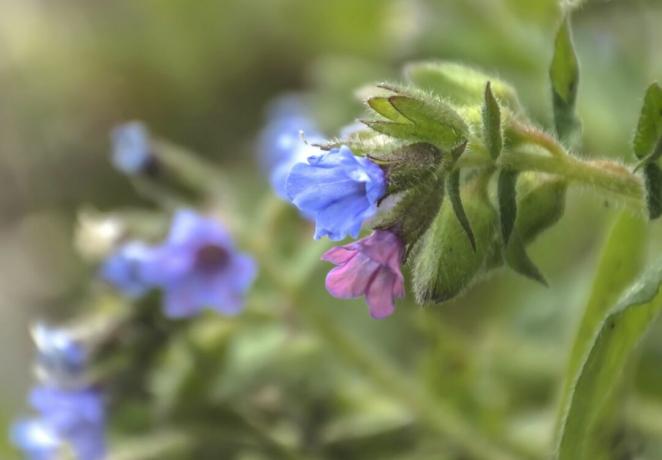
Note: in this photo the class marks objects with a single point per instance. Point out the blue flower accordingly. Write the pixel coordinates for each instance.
(123, 269)
(65, 417)
(339, 189)
(198, 266)
(132, 151)
(58, 352)
(281, 145)
(36, 439)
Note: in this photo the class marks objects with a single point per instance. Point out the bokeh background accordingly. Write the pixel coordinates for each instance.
(201, 74)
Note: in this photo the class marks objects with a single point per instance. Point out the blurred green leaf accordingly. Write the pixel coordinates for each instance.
(653, 181)
(649, 127)
(517, 259)
(621, 260)
(618, 334)
(507, 198)
(383, 106)
(564, 77)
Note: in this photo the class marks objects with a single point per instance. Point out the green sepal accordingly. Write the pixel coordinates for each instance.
(409, 165)
(653, 181)
(383, 107)
(458, 83)
(492, 123)
(453, 191)
(517, 259)
(443, 262)
(564, 78)
(507, 199)
(404, 131)
(415, 210)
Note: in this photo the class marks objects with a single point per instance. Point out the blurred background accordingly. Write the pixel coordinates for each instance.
(201, 74)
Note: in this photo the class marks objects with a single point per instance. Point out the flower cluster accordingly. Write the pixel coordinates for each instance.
(339, 191)
(196, 267)
(70, 412)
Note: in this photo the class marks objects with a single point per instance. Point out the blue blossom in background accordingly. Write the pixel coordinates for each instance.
(58, 352)
(36, 439)
(131, 148)
(338, 189)
(280, 143)
(75, 417)
(198, 267)
(123, 268)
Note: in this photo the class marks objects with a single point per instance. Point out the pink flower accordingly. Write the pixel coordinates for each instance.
(369, 267)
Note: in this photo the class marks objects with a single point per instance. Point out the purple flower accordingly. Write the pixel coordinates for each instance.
(197, 267)
(72, 417)
(280, 143)
(36, 439)
(369, 267)
(123, 269)
(58, 352)
(131, 148)
(338, 189)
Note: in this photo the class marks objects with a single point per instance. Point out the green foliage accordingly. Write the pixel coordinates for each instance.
(618, 333)
(507, 198)
(564, 77)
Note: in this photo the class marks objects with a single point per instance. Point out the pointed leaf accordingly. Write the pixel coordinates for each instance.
(403, 131)
(507, 198)
(601, 370)
(453, 191)
(564, 76)
(492, 123)
(649, 128)
(621, 260)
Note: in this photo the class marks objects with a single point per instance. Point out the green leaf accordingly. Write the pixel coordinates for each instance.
(649, 128)
(404, 131)
(383, 107)
(653, 181)
(492, 123)
(601, 370)
(453, 191)
(507, 199)
(540, 204)
(517, 259)
(458, 83)
(621, 260)
(564, 77)
(444, 262)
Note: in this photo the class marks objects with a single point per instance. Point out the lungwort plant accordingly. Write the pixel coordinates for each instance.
(446, 180)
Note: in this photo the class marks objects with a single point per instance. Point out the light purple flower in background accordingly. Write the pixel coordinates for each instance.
(131, 148)
(36, 439)
(198, 267)
(338, 189)
(280, 144)
(58, 352)
(123, 269)
(72, 417)
(369, 267)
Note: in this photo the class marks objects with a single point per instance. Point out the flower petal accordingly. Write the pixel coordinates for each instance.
(379, 295)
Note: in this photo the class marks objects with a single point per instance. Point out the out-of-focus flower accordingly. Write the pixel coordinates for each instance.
(281, 145)
(96, 233)
(36, 439)
(123, 268)
(338, 189)
(72, 417)
(58, 352)
(369, 267)
(198, 266)
(131, 148)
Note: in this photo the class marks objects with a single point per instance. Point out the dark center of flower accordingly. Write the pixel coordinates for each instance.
(211, 258)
